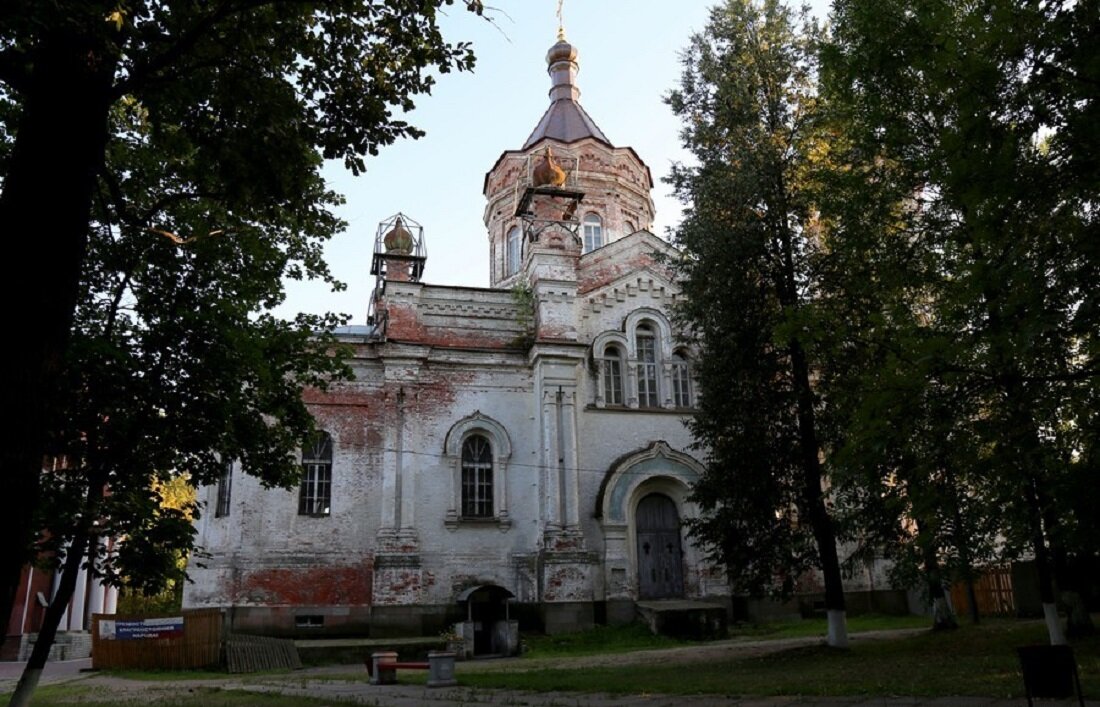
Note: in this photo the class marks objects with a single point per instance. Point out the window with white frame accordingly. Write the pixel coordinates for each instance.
(477, 477)
(315, 495)
(225, 487)
(479, 449)
(593, 232)
(512, 252)
(612, 376)
(681, 380)
(645, 343)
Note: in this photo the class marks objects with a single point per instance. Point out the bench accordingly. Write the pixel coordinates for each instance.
(383, 666)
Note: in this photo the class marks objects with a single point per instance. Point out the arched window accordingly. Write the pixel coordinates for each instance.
(645, 343)
(479, 449)
(681, 380)
(593, 232)
(629, 228)
(315, 496)
(477, 477)
(612, 376)
(511, 264)
(225, 487)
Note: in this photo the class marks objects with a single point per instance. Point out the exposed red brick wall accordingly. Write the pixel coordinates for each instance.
(307, 586)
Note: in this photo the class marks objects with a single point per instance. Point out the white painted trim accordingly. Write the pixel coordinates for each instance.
(837, 636)
(1054, 624)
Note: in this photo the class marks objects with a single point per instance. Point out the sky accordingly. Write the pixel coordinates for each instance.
(629, 59)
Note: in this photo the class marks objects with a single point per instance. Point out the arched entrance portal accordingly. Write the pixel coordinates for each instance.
(660, 557)
(488, 629)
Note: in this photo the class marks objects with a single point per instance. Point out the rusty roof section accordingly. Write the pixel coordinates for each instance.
(565, 120)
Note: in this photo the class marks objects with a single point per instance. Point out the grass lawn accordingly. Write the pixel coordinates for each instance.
(974, 660)
(69, 695)
(601, 639)
(817, 627)
(633, 637)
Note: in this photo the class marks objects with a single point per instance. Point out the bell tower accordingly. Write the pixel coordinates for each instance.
(568, 181)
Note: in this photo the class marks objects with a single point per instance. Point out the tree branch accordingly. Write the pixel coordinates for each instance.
(14, 70)
(143, 72)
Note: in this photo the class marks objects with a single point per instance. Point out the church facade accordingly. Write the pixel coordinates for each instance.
(503, 453)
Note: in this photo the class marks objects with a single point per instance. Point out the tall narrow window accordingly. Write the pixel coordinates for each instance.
(511, 267)
(477, 478)
(315, 497)
(612, 376)
(593, 232)
(225, 487)
(681, 381)
(646, 344)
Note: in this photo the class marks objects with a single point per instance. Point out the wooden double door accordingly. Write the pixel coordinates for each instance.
(660, 556)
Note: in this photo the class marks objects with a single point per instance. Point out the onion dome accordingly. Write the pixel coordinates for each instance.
(398, 241)
(548, 173)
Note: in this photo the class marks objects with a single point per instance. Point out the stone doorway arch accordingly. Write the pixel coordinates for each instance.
(653, 470)
(488, 629)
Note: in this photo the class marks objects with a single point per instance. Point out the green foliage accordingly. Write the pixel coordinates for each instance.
(132, 602)
(748, 103)
(174, 368)
(201, 129)
(524, 298)
(185, 141)
(962, 239)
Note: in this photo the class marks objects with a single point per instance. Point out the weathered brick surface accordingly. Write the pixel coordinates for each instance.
(335, 586)
(448, 360)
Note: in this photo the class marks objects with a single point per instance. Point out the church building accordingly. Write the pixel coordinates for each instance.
(507, 454)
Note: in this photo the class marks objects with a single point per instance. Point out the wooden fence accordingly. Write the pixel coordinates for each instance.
(199, 646)
(993, 590)
(251, 654)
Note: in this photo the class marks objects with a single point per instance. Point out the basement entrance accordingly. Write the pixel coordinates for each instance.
(492, 630)
(660, 557)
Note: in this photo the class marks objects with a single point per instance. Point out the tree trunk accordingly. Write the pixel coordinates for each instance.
(45, 207)
(814, 499)
(77, 550)
(28, 681)
(943, 618)
(972, 596)
(1054, 625)
(1043, 568)
(812, 493)
(1078, 621)
(961, 539)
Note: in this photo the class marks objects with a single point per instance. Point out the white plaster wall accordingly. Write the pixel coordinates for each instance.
(264, 529)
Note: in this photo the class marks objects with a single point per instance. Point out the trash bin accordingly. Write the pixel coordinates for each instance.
(1049, 671)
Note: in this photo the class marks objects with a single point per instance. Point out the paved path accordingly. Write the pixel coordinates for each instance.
(55, 671)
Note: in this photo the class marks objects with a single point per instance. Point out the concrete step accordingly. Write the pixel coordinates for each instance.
(684, 618)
